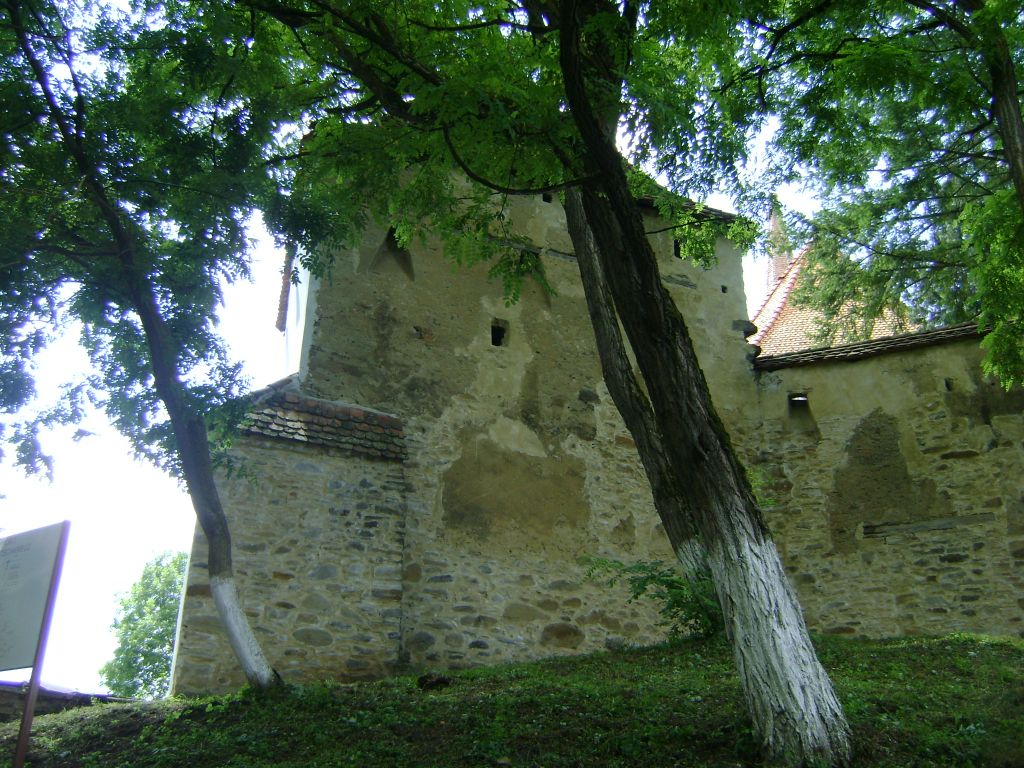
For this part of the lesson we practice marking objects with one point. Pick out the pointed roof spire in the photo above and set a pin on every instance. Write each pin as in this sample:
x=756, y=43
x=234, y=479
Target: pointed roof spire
x=779, y=247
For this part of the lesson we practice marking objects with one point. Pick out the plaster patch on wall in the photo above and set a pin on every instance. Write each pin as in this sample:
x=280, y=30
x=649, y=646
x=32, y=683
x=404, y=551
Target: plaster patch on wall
x=874, y=484
x=623, y=535
x=500, y=498
x=515, y=436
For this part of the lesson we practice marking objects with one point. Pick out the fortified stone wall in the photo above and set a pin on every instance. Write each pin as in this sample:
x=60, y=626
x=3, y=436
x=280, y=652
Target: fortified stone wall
x=450, y=532
x=515, y=465
x=317, y=516
x=519, y=464
x=898, y=487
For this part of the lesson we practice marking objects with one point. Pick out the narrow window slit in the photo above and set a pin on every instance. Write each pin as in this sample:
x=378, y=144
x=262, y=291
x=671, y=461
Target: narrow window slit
x=499, y=333
x=798, y=401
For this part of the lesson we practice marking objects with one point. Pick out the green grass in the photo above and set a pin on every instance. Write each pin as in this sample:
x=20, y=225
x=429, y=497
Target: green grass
x=954, y=701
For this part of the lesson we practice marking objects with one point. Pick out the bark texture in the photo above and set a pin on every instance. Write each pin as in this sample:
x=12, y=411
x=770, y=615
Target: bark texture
x=188, y=426
x=626, y=392
x=254, y=664
x=1005, y=102
x=712, y=519
x=791, y=700
x=194, y=451
x=981, y=30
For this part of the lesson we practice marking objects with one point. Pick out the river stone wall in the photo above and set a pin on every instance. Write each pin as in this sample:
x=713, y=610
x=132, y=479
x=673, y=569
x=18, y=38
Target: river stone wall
x=899, y=491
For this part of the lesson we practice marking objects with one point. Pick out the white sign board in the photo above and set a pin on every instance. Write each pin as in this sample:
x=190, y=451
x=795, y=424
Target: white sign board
x=26, y=568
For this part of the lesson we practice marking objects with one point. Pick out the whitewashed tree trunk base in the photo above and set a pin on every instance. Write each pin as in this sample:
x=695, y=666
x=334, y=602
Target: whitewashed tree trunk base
x=790, y=697
x=247, y=649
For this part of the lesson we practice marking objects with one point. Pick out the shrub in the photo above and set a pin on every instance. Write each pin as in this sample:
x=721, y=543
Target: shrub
x=688, y=605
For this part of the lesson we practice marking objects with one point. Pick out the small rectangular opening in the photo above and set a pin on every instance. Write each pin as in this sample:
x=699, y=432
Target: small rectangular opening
x=546, y=197
x=798, y=400
x=499, y=333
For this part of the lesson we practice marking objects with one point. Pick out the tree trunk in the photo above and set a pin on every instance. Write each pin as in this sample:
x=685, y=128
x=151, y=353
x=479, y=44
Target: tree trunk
x=194, y=451
x=627, y=394
x=987, y=37
x=790, y=697
x=188, y=426
x=1005, y=103
x=788, y=693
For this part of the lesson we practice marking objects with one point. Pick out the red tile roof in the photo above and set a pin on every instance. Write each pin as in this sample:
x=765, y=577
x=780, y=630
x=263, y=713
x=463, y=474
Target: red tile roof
x=784, y=327
x=795, y=330
x=282, y=412
x=870, y=348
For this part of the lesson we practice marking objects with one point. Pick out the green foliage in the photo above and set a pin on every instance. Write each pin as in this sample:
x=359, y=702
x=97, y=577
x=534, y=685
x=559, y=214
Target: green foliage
x=446, y=111
x=888, y=111
x=145, y=627
x=997, y=222
x=925, y=702
x=152, y=123
x=688, y=605
x=761, y=481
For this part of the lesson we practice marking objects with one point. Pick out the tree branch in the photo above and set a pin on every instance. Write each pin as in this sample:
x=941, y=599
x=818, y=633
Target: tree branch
x=531, y=28
x=464, y=166
x=382, y=38
x=798, y=21
x=947, y=18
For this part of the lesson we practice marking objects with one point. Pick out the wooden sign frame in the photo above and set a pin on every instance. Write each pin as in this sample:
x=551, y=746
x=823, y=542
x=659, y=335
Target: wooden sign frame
x=21, y=749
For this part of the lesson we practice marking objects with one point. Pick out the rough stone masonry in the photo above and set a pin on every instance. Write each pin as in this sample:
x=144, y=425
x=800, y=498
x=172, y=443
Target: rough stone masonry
x=421, y=493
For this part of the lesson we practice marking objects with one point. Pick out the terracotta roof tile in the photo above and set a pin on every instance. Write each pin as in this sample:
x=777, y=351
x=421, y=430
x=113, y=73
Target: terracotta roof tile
x=282, y=412
x=861, y=349
x=777, y=300
x=783, y=327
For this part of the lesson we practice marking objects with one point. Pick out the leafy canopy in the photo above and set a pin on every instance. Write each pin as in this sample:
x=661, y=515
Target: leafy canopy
x=887, y=109
x=145, y=626
x=433, y=115
x=139, y=117
x=898, y=115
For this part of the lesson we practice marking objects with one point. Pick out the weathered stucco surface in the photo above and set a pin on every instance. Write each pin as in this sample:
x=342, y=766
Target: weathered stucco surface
x=518, y=466
x=899, y=492
x=897, y=484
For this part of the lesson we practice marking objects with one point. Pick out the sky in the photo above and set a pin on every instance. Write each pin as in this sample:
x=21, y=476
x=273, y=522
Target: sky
x=125, y=512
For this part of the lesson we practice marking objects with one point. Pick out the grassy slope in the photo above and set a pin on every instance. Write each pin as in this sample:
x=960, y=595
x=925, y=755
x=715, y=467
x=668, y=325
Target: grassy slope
x=915, y=702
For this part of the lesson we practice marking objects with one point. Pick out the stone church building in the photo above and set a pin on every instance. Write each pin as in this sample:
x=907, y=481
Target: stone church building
x=421, y=493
